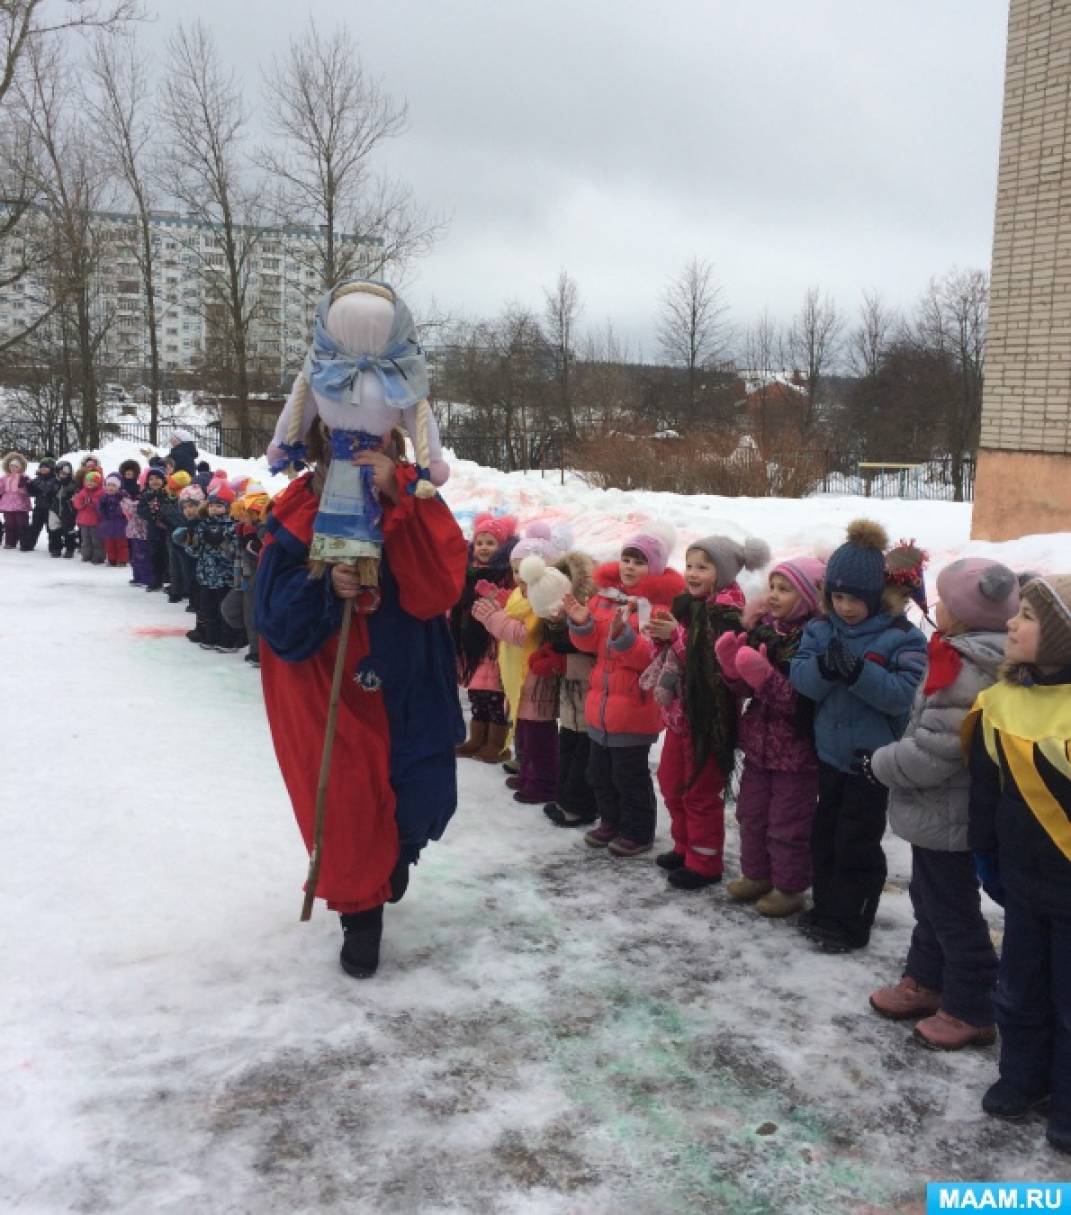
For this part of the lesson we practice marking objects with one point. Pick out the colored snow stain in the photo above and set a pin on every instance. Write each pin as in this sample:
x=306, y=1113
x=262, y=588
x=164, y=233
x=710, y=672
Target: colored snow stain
x=148, y=630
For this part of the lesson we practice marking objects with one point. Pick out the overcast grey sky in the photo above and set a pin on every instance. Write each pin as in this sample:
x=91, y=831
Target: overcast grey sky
x=848, y=143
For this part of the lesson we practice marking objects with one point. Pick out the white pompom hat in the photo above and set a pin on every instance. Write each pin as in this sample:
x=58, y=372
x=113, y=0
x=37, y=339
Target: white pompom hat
x=547, y=586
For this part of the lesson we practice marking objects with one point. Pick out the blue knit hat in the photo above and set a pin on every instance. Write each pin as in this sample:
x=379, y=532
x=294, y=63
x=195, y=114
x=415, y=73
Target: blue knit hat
x=858, y=566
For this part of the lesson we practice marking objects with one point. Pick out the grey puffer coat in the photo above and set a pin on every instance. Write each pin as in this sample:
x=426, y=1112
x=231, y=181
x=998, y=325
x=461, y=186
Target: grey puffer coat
x=924, y=771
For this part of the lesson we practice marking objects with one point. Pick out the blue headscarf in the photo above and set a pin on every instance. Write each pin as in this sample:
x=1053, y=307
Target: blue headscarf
x=402, y=368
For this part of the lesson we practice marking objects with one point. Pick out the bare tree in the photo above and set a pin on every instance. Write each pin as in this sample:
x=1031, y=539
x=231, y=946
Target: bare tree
x=204, y=117
x=951, y=323
x=328, y=119
x=693, y=330
x=25, y=23
x=561, y=313
x=870, y=339
x=124, y=124
x=814, y=341
x=26, y=26
x=72, y=185
x=764, y=358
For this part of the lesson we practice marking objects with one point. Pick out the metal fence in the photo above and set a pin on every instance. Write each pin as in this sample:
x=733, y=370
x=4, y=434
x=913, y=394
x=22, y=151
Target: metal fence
x=510, y=453
x=35, y=439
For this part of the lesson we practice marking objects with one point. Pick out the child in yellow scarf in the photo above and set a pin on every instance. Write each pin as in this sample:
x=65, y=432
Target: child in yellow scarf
x=1018, y=738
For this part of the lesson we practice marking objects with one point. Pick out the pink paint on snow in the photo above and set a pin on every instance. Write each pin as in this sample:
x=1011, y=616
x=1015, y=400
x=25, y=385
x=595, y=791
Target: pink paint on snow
x=158, y=630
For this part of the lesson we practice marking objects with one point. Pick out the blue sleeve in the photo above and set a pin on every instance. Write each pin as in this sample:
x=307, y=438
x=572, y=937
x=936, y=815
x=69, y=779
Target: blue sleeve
x=891, y=689
x=295, y=614
x=804, y=673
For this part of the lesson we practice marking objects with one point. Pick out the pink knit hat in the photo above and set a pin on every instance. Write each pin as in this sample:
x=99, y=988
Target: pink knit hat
x=805, y=574
x=656, y=543
x=982, y=594
x=499, y=526
x=542, y=540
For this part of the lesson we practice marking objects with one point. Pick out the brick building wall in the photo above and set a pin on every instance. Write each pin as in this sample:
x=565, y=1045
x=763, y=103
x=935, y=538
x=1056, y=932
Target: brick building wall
x=1024, y=471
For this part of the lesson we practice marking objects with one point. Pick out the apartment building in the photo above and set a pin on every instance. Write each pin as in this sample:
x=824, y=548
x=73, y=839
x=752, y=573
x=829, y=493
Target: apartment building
x=282, y=280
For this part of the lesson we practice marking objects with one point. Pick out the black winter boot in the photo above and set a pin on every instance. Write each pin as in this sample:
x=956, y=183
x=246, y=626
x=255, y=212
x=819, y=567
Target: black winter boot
x=687, y=879
x=1059, y=1134
x=670, y=860
x=361, y=934
x=1004, y=1100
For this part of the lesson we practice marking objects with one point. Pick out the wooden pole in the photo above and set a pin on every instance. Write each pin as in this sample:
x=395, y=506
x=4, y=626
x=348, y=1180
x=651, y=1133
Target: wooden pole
x=325, y=762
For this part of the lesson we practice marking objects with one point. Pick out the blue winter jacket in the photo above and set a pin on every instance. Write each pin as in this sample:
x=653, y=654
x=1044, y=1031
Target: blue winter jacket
x=873, y=709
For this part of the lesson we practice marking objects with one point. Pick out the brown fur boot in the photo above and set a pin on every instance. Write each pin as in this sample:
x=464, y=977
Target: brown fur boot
x=491, y=752
x=475, y=742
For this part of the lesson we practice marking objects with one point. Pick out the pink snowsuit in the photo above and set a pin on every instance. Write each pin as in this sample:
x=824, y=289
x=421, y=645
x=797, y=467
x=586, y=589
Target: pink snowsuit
x=779, y=787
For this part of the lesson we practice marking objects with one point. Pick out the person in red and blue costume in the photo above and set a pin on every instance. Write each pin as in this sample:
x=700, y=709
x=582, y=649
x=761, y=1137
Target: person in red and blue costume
x=393, y=778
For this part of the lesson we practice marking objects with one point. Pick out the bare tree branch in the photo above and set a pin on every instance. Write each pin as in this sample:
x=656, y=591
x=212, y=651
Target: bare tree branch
x=328, y=119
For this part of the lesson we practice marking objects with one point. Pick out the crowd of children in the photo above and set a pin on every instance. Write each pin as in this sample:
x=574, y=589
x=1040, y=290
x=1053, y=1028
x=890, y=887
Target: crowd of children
x=844, y=716
x=193, y=536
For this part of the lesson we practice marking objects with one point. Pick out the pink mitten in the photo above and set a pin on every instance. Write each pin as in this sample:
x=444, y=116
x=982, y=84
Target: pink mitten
x=726, y=648
x=753, y=666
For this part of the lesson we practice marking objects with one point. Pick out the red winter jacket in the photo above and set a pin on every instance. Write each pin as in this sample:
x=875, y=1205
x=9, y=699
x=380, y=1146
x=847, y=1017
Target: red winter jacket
x=85, y=503
x=619, y=712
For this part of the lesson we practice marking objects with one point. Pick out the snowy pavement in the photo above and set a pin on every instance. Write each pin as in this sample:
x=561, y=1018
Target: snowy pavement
x=551, y=1030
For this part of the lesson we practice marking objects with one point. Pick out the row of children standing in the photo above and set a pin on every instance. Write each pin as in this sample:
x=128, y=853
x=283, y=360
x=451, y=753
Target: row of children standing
x=194, y=536
x=848, y=713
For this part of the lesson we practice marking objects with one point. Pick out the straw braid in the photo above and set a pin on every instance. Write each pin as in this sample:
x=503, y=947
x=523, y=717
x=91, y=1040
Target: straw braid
x=301, y=391
x=422, y=449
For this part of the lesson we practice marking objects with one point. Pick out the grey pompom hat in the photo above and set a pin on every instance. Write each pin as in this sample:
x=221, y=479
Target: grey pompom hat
x=730, y=557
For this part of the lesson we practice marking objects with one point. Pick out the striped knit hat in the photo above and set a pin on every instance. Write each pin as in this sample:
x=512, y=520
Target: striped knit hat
x=805, y=574
x=1051, y=599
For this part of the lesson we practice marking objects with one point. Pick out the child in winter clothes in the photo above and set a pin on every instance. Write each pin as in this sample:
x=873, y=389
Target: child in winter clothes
x=860, y=664
x=779, y=786
x=111, y=530
x=179, y=587
x=191, y=501
x=87, y=505
x=574, y=800
x=129, y=472
x=698, y=706
x=622, y=717
x=152, y=509
x=62, y=529
x=42, y=490
x=532, y=699
x=14, y=498
x=951, y=966
x=493, y=539
x=1018, y=737
x=248, y=513
x=213, y=542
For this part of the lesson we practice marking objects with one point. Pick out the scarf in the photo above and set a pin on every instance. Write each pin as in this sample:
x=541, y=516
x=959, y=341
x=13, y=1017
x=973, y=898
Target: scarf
x=943, y=664
x=782, y=640
x=1027, y=733
x=709, y=705
x=513, y=659
x=401, y=369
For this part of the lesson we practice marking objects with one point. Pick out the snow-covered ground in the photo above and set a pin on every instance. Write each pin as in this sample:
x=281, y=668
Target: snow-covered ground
x=551, y=1030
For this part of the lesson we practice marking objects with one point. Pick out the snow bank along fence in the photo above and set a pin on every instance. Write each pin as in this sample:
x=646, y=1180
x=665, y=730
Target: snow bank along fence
x=648, y=464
